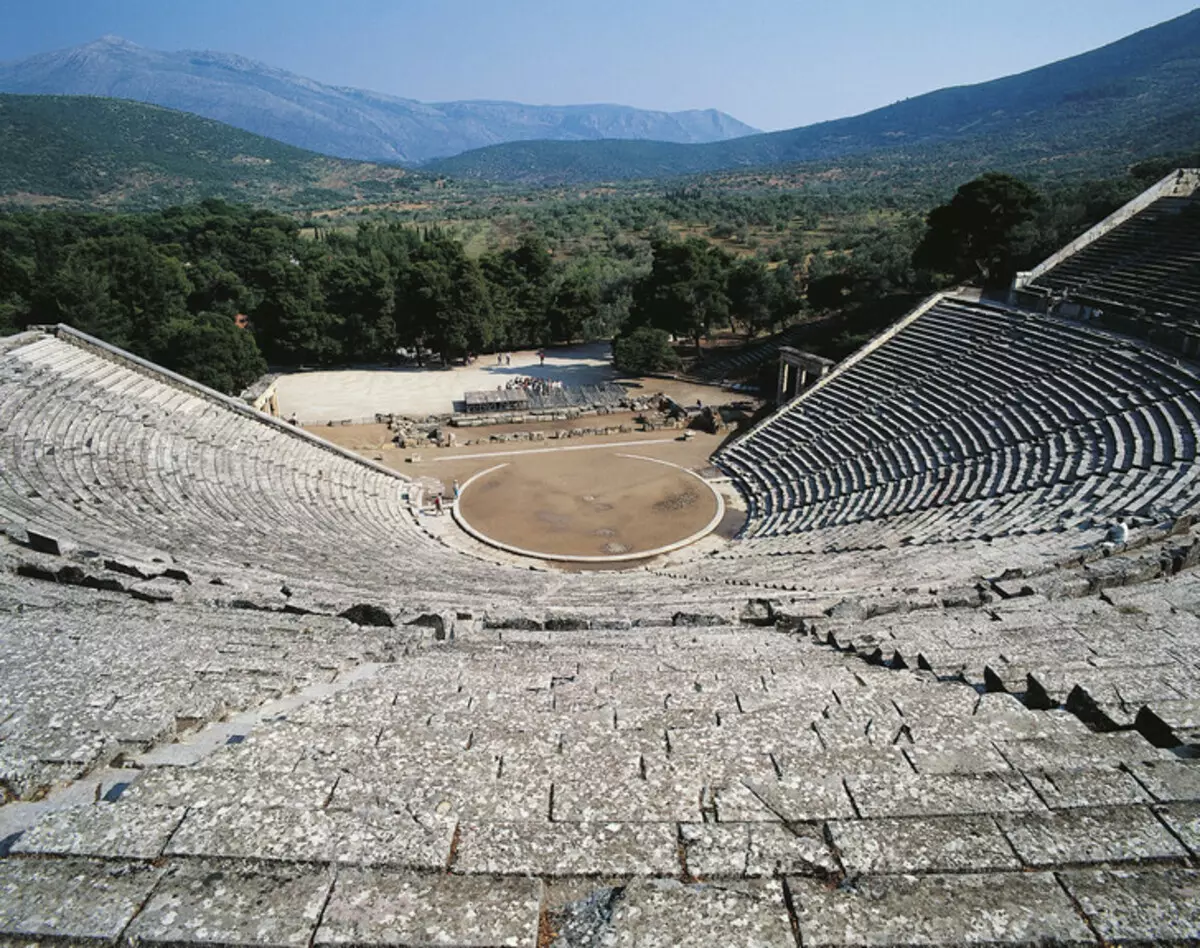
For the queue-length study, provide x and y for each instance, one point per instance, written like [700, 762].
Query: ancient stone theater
[941, 688]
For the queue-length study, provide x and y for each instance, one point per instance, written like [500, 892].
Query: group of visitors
[533, 385]
[505, 358]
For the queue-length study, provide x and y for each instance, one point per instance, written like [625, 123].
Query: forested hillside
[79, 150]
[1092, 113]
[170, 285]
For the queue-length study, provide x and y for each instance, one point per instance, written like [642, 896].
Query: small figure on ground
[437, 504]
[456, 490]
[499, 358]
[542, 356]
[508, 358]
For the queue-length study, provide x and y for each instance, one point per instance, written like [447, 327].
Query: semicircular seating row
[1150, 262]
[973, 421]
[118, 459]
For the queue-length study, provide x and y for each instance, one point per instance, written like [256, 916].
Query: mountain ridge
[1114, 89]
[92, 152]
[341, 121]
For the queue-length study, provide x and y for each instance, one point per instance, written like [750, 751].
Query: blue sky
[772, 63]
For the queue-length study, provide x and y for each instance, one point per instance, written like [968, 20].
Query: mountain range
[1137, 96]
[1092, 114]
[333, 120]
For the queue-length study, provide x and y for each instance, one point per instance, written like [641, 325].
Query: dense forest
[171, 285]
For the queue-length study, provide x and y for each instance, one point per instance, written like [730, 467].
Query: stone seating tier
[1149, 263]
[995, 405]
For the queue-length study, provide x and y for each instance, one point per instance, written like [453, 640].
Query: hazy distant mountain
[349, 123]
[1138, 95]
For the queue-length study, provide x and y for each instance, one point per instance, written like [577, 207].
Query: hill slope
[79, 150]
[348, 123]
[1106, 99]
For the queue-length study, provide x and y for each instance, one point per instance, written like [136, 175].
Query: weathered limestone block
[665, 913]
[210, 903]
[1143, 906]
[985, 908]
[388, 908]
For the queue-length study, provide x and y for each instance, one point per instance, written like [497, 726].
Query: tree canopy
[983, 229]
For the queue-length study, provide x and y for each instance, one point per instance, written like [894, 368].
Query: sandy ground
[359, 394]
[587, 504]
[459, 463]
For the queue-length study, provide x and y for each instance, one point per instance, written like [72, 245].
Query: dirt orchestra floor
[459, 463]
[587, 503]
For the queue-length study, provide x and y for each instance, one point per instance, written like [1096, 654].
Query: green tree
[644, 350]
[982, 232]
[574, 304]
[750, 296]
[685, 292]
[213, 350]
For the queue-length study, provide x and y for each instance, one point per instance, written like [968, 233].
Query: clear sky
[771, 63]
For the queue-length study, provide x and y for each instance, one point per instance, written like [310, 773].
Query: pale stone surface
[338, 395]
[1075, 788]
[986, 908]
[1184, 820]
[600, 798]
[715, 850]
[75, 899]
[1102, 835]
[1170, 780]
[197, 787]
[662, 913]
[289, 835]
[211, 903]
[568, 849]
[124, 830]
[1152, 906]
[936, 844]
[388, 908]
[800, 797]
[942, 794]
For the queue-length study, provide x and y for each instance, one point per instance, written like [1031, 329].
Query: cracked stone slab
[462, 792]
[122, 831]
[1184, 820]
[802, 797]
[203, 903]
[1105, 834]
[363, 838]
[733, 850]
[1155, 906]
[942, 795]
[934, 844]
[388, 908]
[579, 911]
[568, 849]
[1170, 780]
[734, 802]
[665, 913]
[985, 908]
[1075, 788]
[72, 899]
